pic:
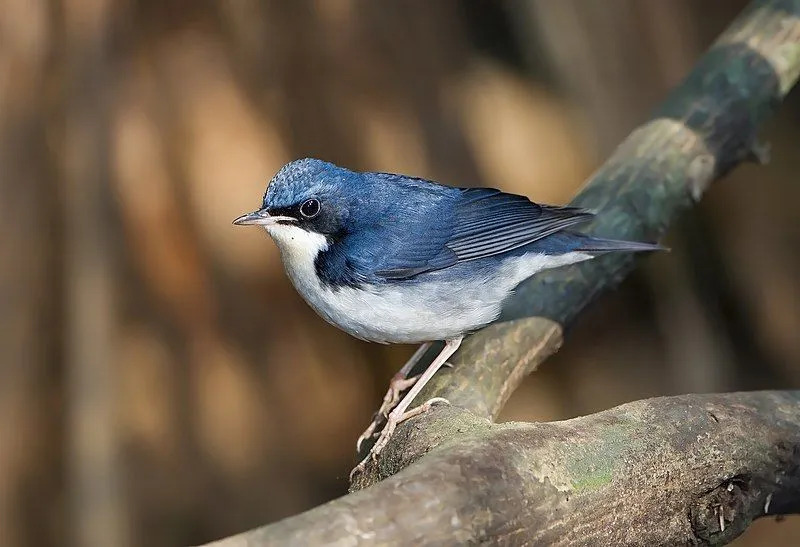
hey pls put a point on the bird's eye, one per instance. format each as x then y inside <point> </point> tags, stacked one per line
<point>310,208</point>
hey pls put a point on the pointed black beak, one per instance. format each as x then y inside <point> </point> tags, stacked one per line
<point>256,217</point>
<point>262,218</point>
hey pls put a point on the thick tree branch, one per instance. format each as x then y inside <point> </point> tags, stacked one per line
<point>692,469</point>
<point>667,471</point>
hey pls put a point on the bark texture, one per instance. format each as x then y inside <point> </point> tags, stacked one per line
<point>692,469</point>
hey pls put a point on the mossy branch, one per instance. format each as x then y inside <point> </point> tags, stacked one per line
<point>687,470</point>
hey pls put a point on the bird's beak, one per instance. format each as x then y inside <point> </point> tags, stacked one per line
<point>262,218</point>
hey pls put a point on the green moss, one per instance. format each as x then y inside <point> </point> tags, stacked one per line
<point>594,463</point>
<point>592,481</point>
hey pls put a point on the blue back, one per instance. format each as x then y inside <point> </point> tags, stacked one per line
<point>382,226</point>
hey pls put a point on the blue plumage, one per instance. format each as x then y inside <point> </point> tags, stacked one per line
<point>397,259</point>
<point>384,226</point>
<point>374,232</point>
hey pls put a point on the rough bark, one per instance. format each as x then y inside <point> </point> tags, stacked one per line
<point>691,469</point>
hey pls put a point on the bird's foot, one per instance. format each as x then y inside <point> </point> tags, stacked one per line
<point>394,419</point>
<point>397,385</point>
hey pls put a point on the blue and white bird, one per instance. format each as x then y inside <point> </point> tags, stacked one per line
<point>397,259</point>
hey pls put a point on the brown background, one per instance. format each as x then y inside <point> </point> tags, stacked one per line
<point>160,381</point>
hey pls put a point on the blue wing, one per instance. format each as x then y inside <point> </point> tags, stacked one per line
<point>491,222</point>
<point>477,223</point>
<point>403,227</point>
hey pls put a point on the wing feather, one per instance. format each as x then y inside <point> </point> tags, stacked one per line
<point>478,223</point>
<point>489,222</point>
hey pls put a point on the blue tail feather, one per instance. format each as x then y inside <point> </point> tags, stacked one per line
<point>590,244</point>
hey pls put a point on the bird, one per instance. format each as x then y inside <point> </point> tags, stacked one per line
<point>398,259</point>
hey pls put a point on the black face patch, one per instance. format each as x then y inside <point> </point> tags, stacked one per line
<point>284,212</point>
<point>314,215</point>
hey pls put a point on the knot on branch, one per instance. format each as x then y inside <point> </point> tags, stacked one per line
<point>724,512</point>
<point>721,514</point>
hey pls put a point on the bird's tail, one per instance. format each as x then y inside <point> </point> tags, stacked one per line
<point>590,244</point>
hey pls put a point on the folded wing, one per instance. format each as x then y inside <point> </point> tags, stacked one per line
<point>490,222</point>
<point>481,222</point>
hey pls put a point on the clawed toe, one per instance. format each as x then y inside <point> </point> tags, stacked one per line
<point>368,433</point>
<point>397,386</point>
<point>422,409</point>
<point>388,430</point>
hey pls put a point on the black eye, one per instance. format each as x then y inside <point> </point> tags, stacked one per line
<point>310,208</point>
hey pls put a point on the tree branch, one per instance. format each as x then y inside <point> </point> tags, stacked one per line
<point>691,469</point>
<point>667,471</point>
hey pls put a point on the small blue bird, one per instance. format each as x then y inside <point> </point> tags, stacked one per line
<point>396,259</point>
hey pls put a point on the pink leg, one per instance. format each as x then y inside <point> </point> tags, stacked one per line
<point>399,383</point>
<point>399,414</point>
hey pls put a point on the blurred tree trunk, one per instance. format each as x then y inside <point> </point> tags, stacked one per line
<point>97,510</point>
<point>30,448</point>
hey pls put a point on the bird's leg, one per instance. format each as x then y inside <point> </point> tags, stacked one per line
<point>399,383</point>
<point>400,413</point>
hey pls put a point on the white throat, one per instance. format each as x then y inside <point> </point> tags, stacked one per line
<point>299,248</point>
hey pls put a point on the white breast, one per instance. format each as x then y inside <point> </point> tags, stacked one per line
<point>405,312</point>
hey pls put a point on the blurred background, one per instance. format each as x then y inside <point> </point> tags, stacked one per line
<point>162,384</point>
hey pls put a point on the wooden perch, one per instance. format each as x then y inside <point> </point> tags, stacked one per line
<point>667,471</point>
<point>691,469</point>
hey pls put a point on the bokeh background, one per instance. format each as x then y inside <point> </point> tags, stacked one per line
<point>160,381</point>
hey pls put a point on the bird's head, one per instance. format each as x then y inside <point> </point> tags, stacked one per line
<point>306,203</point>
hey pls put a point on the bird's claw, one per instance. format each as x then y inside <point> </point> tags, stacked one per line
<point>392,422</point>
<point>397,385</point>
<point>368,433</point>
<point>357,470</point>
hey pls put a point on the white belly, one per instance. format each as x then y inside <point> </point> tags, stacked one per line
<point>406,312</point>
